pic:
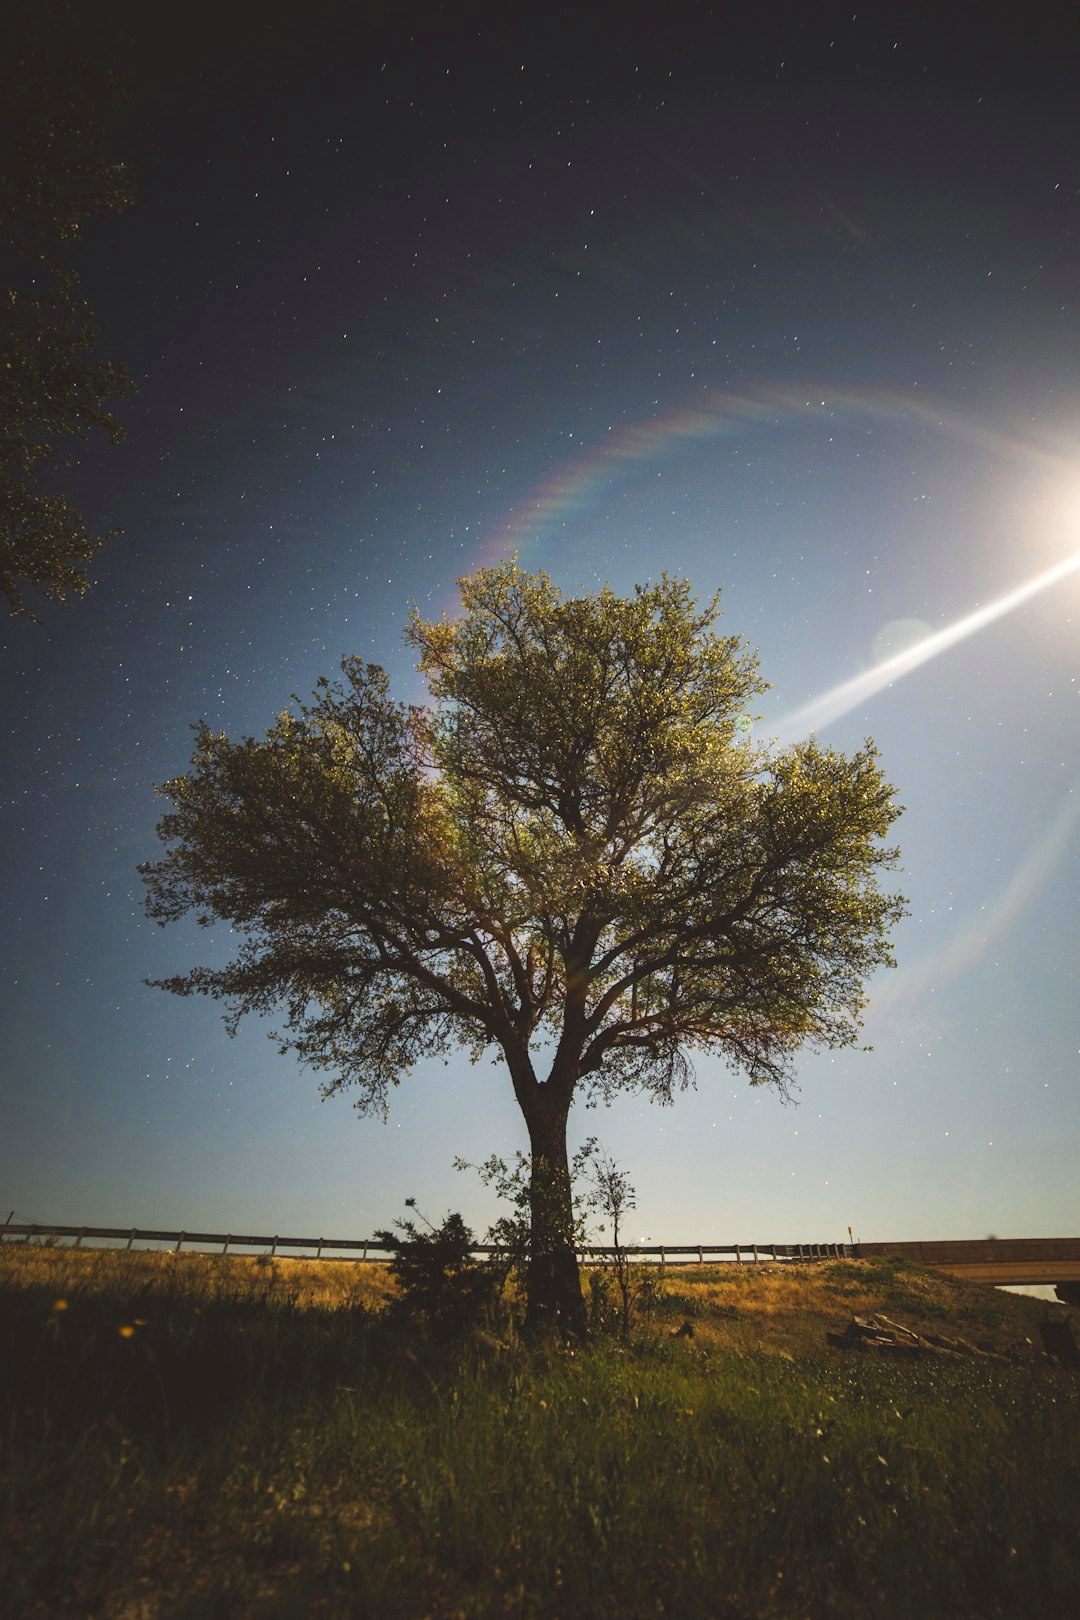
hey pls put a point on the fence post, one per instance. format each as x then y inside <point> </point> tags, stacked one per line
<point>225,1245</point>
<point>700,1256</point>
<point>131,1239</point>
<point>78,1240</point>
<point>738,1256</point>
<point>179,1240</point>
<point>755,1254</point>
<point>318,1251</point>
<point>273,1247</point>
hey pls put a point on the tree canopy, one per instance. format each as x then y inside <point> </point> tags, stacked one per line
<point>55,175</point>
<point>575,856</point>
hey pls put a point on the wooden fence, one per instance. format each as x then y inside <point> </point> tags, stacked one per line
<point>672,1254</point>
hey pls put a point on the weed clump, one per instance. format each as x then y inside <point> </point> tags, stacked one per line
<point>443,1291</point>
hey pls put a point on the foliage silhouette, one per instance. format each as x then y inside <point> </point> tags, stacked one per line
<point>615,1197</point>
<point>512,1182</point>
<point>443,1289</point>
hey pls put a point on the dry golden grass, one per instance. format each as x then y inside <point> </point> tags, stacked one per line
<point>789,1309</point>
<point>781,1309</point>
<point>304,1283</point>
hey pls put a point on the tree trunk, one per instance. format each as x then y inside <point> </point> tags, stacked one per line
<point>554,1300</point>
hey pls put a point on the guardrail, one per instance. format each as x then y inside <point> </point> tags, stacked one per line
<point>675,1254</point>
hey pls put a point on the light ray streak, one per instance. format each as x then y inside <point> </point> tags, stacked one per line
<point>853,693</point>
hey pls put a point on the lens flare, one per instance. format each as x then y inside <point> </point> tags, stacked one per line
<point>852,694</point>
<point>970,943</point>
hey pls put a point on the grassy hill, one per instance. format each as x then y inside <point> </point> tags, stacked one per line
<point>191,1436</point>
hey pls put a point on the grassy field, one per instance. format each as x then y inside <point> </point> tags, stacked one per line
<point>195,1437</point>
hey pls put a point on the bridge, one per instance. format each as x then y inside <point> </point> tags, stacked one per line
<point>1016,1261</point>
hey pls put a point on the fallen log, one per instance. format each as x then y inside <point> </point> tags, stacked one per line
<point>882,1334</point>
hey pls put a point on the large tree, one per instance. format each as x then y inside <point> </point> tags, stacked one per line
<point>576,856</point>
<point>55,176</point>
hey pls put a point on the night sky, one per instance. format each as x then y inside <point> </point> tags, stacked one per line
<point>787,305</point>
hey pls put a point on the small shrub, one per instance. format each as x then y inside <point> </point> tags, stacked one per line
<point>672,1303</point>
<point>443,1289</point>
<point>906,1299</point>
<point>603,1311</point>
<point>648,1293</point>
<point>985,1313</point>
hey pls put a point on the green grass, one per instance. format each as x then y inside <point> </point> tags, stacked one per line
<point>252,1447</point>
